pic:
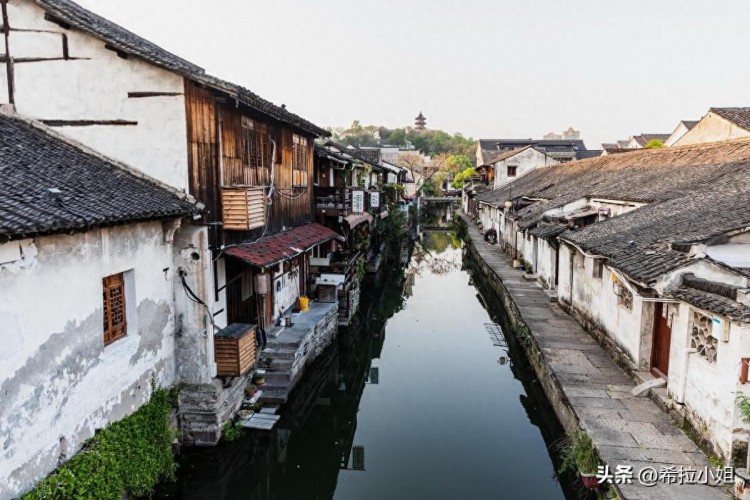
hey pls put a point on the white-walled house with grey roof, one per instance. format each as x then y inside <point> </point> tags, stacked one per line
<point>123,96</point>
<point>663,283</point>
<point>91,308</point>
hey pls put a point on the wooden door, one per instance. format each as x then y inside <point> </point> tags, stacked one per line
<point>661,342</point>
<point>557,264</point>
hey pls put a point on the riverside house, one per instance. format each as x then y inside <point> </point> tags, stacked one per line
<point>94,256</point>
<point>650,251</point>
<point>247,160</point>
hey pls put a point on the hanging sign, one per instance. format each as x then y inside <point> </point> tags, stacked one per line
<point>358,202</point>
<point>375,199</point>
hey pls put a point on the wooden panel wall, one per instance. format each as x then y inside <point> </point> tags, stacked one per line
<point>206,120</point>
<point>203,149</point>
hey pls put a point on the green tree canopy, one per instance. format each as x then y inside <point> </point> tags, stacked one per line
<point>429,142</point>
<point>654,144</point>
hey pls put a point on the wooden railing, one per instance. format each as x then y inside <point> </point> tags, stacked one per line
<point>333,198</point>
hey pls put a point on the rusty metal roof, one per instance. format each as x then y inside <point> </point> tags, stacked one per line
<point>282,246</point>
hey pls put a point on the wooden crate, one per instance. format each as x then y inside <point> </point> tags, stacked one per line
<point>242,208</point>
<point>235,349</point>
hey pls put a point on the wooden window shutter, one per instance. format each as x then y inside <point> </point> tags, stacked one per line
<point>115,324</point>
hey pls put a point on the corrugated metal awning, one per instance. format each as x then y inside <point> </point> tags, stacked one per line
<point>356,219</point>
<point>282,246</point>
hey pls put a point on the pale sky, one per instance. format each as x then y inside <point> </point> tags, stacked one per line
<point>488,69</point>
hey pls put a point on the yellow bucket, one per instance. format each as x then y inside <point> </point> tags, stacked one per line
<point>304,304</point>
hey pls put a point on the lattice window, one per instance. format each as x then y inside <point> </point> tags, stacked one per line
<point>701,335</point>
<point>249,147</point>
<point>256,150</point>
<point>115,321</point>
<point>299,161</point>
<point>624,296</point>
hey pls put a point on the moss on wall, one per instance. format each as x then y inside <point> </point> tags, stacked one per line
<point>131,455</point>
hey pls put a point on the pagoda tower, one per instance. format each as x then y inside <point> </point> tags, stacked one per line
<point>420,122</point>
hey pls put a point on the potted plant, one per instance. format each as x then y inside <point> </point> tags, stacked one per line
<point>578,453</point>
<point>258,379</point>
<point>250,390</point>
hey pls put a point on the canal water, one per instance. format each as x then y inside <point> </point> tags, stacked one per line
<point>416,401</point>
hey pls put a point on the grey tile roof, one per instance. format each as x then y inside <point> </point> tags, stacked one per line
<point>589,153</point>
<point>712,302</point>
<point>644,139</point>
<point>491,147</point>
<point>738,116</point>
<point>639,242</point>
<point>94,191</point>
<point>694,192</point>
<point>119,38</point>
<point>689,124</point>
<point>504,155</point>
<point>545,230</point>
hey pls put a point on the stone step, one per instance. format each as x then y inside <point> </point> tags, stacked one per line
<point>275,397</point>
<point>278,353</point>
<point>278,377</point>
<point>274,385</point>
<point>277,365</point>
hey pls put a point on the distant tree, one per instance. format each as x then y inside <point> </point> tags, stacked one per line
<point>397,137</point>
<point>430,142</point>
<point>357,135</point>
<point>654,144</point>
<point>455,164</point>
<point>461,177</point>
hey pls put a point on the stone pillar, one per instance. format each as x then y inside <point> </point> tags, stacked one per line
<point>201,397</point>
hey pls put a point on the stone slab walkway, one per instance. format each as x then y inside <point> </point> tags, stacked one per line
<point>626,430</point>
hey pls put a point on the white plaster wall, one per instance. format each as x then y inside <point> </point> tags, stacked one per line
<point>563,284</point>
<point>59,382</point>
<point>706,270</point>
<point>596,299</point>
<point>285,290</point>
<point>733,254</point>
<point>525,161</point>
<point>676,135</point>
<point>710,388</point>
<point>712,128</point>
<point>94,85</point>
<point>546,263</point>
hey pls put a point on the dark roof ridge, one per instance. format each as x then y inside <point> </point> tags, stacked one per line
<point>124,40</point>
<point>692,281</point>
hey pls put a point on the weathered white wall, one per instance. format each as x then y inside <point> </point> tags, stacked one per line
<point>677,134</point>
<point>58,381</point>
<point>94,85</point>
<point>710,388</point>
<point>712,128</point>
<point>285,290</point>
<point>525,161</point>
<point>545,263</point>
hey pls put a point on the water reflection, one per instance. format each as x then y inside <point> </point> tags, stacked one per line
<point>431,413</point>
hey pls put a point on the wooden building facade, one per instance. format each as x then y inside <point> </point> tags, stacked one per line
<point>233,148</point>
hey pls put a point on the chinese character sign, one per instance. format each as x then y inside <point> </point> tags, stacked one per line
<point>358,202</point>
<point>375,199</point>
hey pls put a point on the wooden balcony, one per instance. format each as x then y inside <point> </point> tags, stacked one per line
<point>333,200</point>
<point>341,201</point>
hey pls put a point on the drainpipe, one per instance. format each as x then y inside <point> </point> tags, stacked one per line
<point>683,377</point>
